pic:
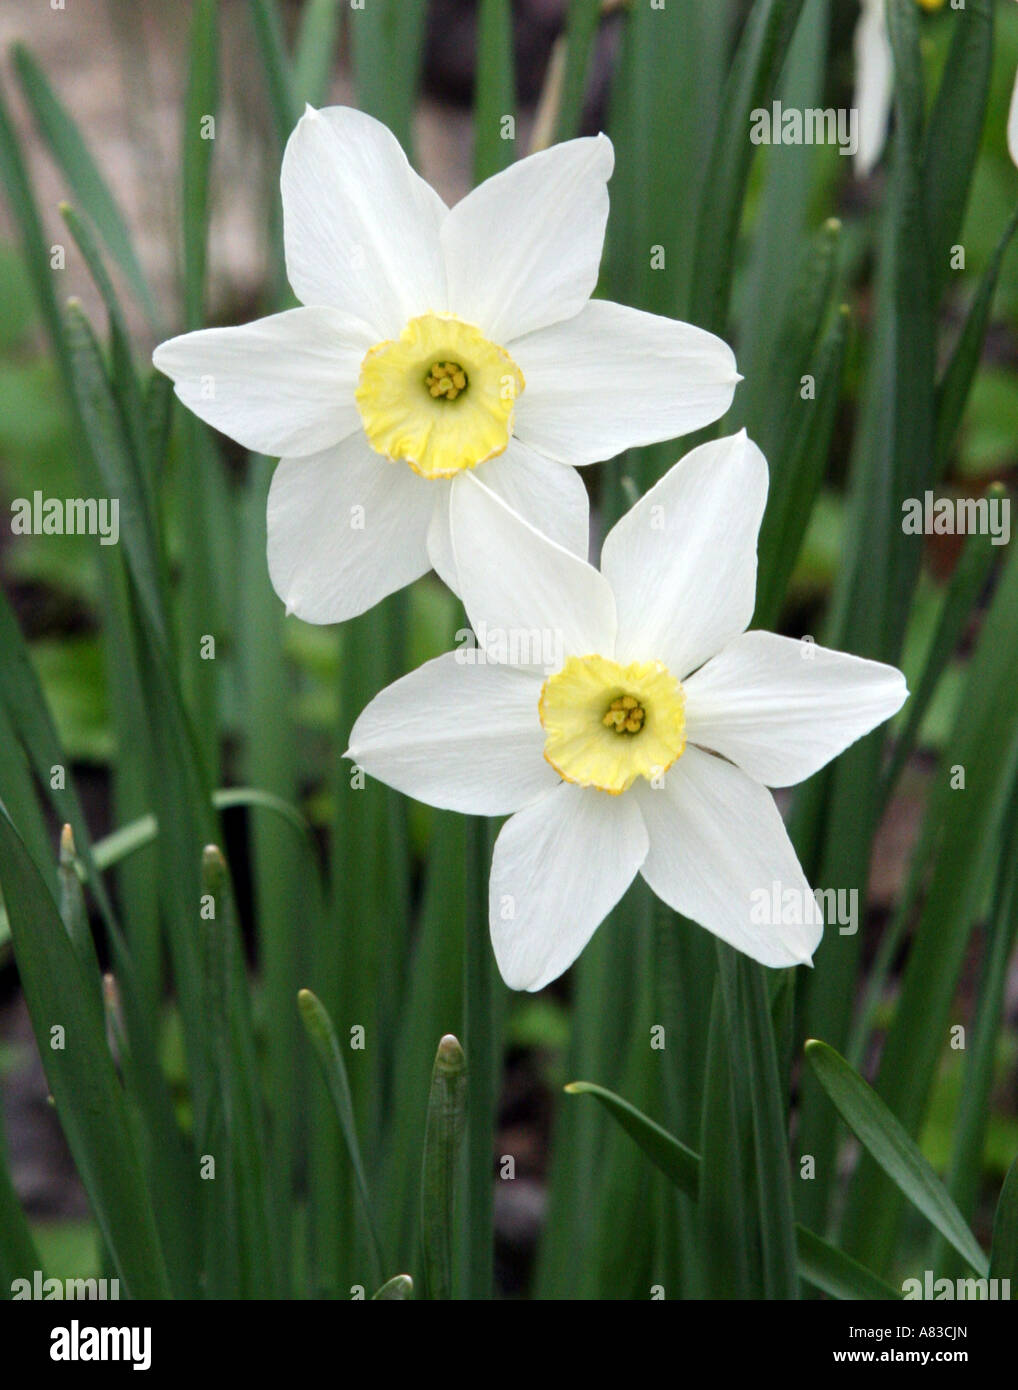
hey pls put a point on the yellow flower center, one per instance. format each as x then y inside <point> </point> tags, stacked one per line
<point>931,5</point>
<point>625,715</point>
<point>440,397</point>
<point>606,725</point>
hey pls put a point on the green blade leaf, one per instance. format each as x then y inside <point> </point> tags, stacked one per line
<point>1004,1249</point>
<point>959,835</point>
<point>680,1165</point>
<point>64,139</point>
<point>494,94</point>
<point>319,1028</point>
<point>120,844</point>
<point>316,50</point>
<point>283,98</point>
<point>386,38</point>
<point>232,1122</point>
<point>443,1135</point>
<point>954,386</point>
<point>197,146</point>
<point>819,1262</point>
<point>831,1270</point>
<point>81,1075</point>
<point>751,85</point>
<point>965,586</point>
<point>955,130</point>
<point>884,1138</point>
<point>399,1287</point>
<point>18,1256</point>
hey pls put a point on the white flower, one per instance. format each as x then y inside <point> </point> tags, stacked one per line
<point>1012,122</point>
<point>874,80</point>
<point>650,746</point>
<point>433,343</point>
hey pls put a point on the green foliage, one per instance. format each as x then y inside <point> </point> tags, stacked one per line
<point>280,1015</point>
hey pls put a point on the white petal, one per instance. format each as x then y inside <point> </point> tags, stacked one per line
<point>281,385</point>
<point>874,84</point>
<point>682,561</point>
<point>614,378</point>
<point>346,527</point>
<point>1012,122</point>
<point>781,709</point>
<point>516,584</point>
<point>361,228</point>
<point>457,734</point>
<point>523,249</point>
<point>443,562</point>
<point>718,849</point>
<point>559,868</point>
<point>549,495</point>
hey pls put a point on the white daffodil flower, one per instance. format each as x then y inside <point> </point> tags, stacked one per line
<point>1012,123</point>
<point>874,80</point>
<point>433,343</point>
<point>649,742</point>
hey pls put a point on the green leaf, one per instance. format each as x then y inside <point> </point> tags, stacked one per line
<point>963,591</point>
<point>401,1286</point>
<point>582,20</point>
<point>796,486</point>
<point>680,1165</point>
<point>443,1136</point>
<point>955,130</point>
<point>955,384</point>
<point>494,92</point>
<point>831,1270</point>
<point>73,911</point>
<point>283,99</point>
<point>819,1262</point>
<point>387,42</point>
<point>751,85</point>
<point>973,1117</point>
<point>81,1075</point>
<point>197,147</point>
<point>959,835</point>
<point>120,844</point>
<point>18,1256</point>
<point>230,1121</point>
<point>120,470</point>
<point>316,50</point>
<point>755,1060</point>
<point>1004,1249</point>
<point>126,387</point>
<point>64,139</point>
<point>726,1198</point>
<point>319,1028</point>
<point>890,1146</point>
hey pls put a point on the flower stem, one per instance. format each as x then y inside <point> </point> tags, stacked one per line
<point>483,999</point>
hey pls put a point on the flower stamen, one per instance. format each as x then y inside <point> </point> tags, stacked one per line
<point>446,379</point>
<point>625,715</point>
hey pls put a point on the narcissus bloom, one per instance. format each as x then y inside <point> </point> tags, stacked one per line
<point>435,343</point>
<point>874,79</point>
<point>649,743</point>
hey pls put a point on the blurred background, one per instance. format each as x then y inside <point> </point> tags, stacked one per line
<point>120,69</point>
